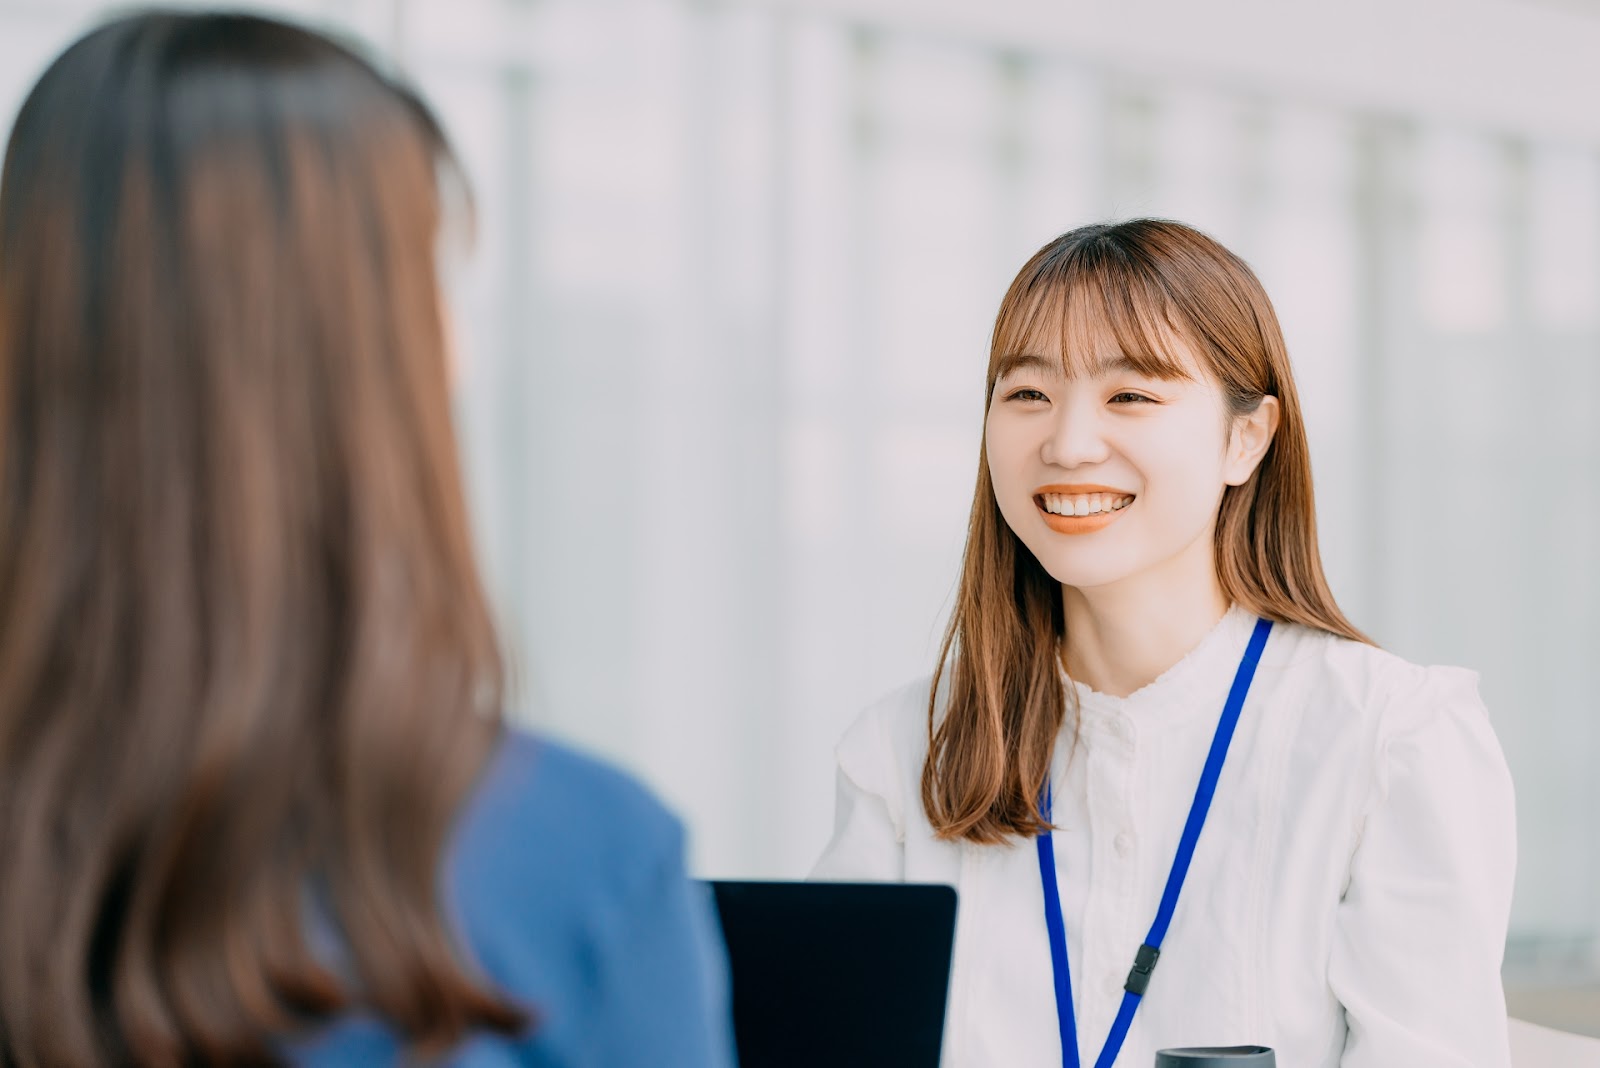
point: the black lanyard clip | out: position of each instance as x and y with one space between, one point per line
1144 962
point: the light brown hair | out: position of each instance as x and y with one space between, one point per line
247 670
1129 286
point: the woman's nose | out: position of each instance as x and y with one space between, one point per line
1077 438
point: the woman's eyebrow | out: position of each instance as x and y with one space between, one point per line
1099 367
1030 361
1106 366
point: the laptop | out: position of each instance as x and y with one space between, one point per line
836 975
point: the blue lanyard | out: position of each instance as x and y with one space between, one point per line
1145 961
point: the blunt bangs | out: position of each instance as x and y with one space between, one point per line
1093 307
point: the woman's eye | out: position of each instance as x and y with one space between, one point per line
1026 394
1131 398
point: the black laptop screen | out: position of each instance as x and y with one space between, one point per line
834 975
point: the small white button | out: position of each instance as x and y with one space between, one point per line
1123 843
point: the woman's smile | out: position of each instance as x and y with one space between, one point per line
1079 509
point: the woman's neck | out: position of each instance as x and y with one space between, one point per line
1122 637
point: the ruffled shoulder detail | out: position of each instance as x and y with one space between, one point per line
883 750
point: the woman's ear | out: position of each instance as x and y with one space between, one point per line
1248 441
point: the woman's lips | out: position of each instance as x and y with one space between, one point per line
1080 509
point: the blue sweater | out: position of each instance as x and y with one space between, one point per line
566 880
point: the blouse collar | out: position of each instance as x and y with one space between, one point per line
1188 688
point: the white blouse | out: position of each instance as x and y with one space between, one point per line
1347 902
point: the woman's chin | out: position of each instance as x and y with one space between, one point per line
1084 570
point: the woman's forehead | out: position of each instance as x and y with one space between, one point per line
1091 338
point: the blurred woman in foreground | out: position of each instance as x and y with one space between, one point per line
257 801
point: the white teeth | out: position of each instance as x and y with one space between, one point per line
1089 504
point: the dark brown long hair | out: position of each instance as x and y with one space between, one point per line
247 672
1131 283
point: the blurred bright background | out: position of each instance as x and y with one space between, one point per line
724 337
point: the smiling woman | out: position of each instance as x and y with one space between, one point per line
1149 355
1141 554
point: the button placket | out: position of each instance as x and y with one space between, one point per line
1114 982
1109 924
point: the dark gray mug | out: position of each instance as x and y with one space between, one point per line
1217 1057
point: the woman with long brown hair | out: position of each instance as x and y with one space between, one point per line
257 800
1185 801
